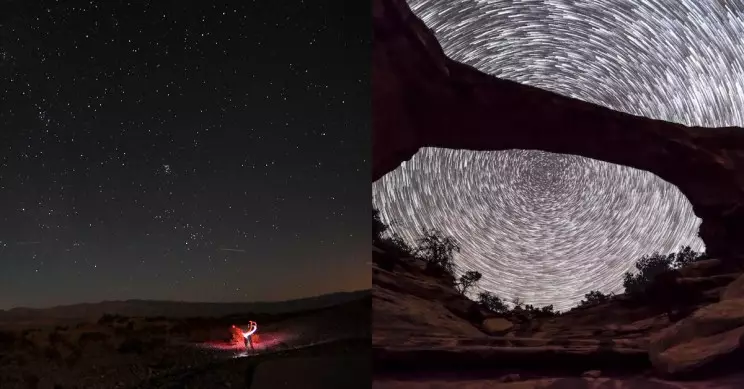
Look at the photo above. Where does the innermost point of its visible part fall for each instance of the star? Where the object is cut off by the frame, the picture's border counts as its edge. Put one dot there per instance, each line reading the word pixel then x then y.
pixel 548 228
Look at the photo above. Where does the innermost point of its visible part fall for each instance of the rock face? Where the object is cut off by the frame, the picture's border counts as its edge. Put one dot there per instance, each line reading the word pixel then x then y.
pixel 497 326
pixel 421 323
pixel 421 98
pixel 734 290
pixel 711 339
pixel 408 302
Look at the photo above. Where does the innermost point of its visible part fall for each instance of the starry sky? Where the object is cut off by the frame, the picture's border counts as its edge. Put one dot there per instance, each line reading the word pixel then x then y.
pixel 183 150
pixel 548 228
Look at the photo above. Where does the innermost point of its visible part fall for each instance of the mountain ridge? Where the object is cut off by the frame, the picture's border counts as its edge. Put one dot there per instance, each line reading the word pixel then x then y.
pixel 170 308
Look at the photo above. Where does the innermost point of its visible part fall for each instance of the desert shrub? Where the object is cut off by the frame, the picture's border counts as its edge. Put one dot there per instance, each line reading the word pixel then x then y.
pixel 391 243
pixel 595 297
pixel 496 304
pixel 686 256
pixel 650 266
pixel 106 319
pixel 529 311
pixel 433 246
pixel 469 279
pixel 438 250
pixel 492 302
pixel 379 227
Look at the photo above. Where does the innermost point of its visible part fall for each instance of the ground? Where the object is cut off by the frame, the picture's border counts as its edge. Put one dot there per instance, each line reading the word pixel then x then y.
pixel 127 352
pixel 428 335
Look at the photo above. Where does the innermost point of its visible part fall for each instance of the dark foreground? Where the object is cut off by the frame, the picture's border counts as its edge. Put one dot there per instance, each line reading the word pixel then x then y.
pixel 328 348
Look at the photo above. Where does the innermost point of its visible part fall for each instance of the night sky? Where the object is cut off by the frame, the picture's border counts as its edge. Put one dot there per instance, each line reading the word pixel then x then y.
pixel 549 228
pixel 181 150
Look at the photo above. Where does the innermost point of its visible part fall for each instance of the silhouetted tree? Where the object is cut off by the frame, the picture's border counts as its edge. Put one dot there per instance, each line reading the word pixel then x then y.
pixel 492 302
pixel 529 311
pixel 438 250
pixel 650 266
pixel 548 310
pixel 595 297
pixel 391 243
pixel 378 227
pixel 686 256
pixel 468 280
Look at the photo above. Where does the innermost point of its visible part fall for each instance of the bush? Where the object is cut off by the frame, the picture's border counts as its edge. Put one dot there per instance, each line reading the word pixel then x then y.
pixel 492 302
pixel 378 226
pixel 468 280
pixel 650 266
pixel 532 312
pixel 595 297
pixel 438 250
pixel 108 318
pixel 496 304
pixel 383 239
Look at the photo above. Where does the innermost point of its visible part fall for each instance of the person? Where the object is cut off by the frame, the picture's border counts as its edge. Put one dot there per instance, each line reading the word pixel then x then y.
pixel 252 328
pixel 249 340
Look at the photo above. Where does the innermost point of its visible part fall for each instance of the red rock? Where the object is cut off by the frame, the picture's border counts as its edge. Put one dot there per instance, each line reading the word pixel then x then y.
pixel 711 338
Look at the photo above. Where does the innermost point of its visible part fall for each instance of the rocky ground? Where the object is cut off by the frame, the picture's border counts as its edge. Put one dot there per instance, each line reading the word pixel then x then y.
pixel 123 352
pixel 425 334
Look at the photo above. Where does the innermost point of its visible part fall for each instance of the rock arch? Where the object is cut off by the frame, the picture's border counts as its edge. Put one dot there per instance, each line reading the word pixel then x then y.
pixel 422 98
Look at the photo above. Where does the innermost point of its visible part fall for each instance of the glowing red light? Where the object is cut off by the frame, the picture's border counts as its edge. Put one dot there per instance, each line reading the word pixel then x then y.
pixel 252 328
pixel 239 336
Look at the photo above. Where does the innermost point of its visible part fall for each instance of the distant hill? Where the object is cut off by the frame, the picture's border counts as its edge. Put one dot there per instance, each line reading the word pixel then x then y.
pixel 175 309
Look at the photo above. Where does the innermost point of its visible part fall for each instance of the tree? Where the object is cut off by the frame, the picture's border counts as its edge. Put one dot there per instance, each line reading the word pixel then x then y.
pixel 686 256
pixel 492 302
pixel 548 310
pixel 392 243
pixel 468 280
pixel 594 297
pixel 517 304
pixel 378 226
pixel 438 250
pixel 650 266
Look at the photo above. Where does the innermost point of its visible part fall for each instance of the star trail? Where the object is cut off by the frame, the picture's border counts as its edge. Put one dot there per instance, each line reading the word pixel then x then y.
pixel 680 61
pixel 548 228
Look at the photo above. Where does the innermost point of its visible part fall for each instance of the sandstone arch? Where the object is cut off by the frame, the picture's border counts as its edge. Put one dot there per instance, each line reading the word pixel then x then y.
pixel 422 98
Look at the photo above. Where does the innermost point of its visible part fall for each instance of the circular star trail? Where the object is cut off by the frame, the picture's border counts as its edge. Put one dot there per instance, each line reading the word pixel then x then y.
pixel 548 228
pixel 545 228
pixel 675 60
